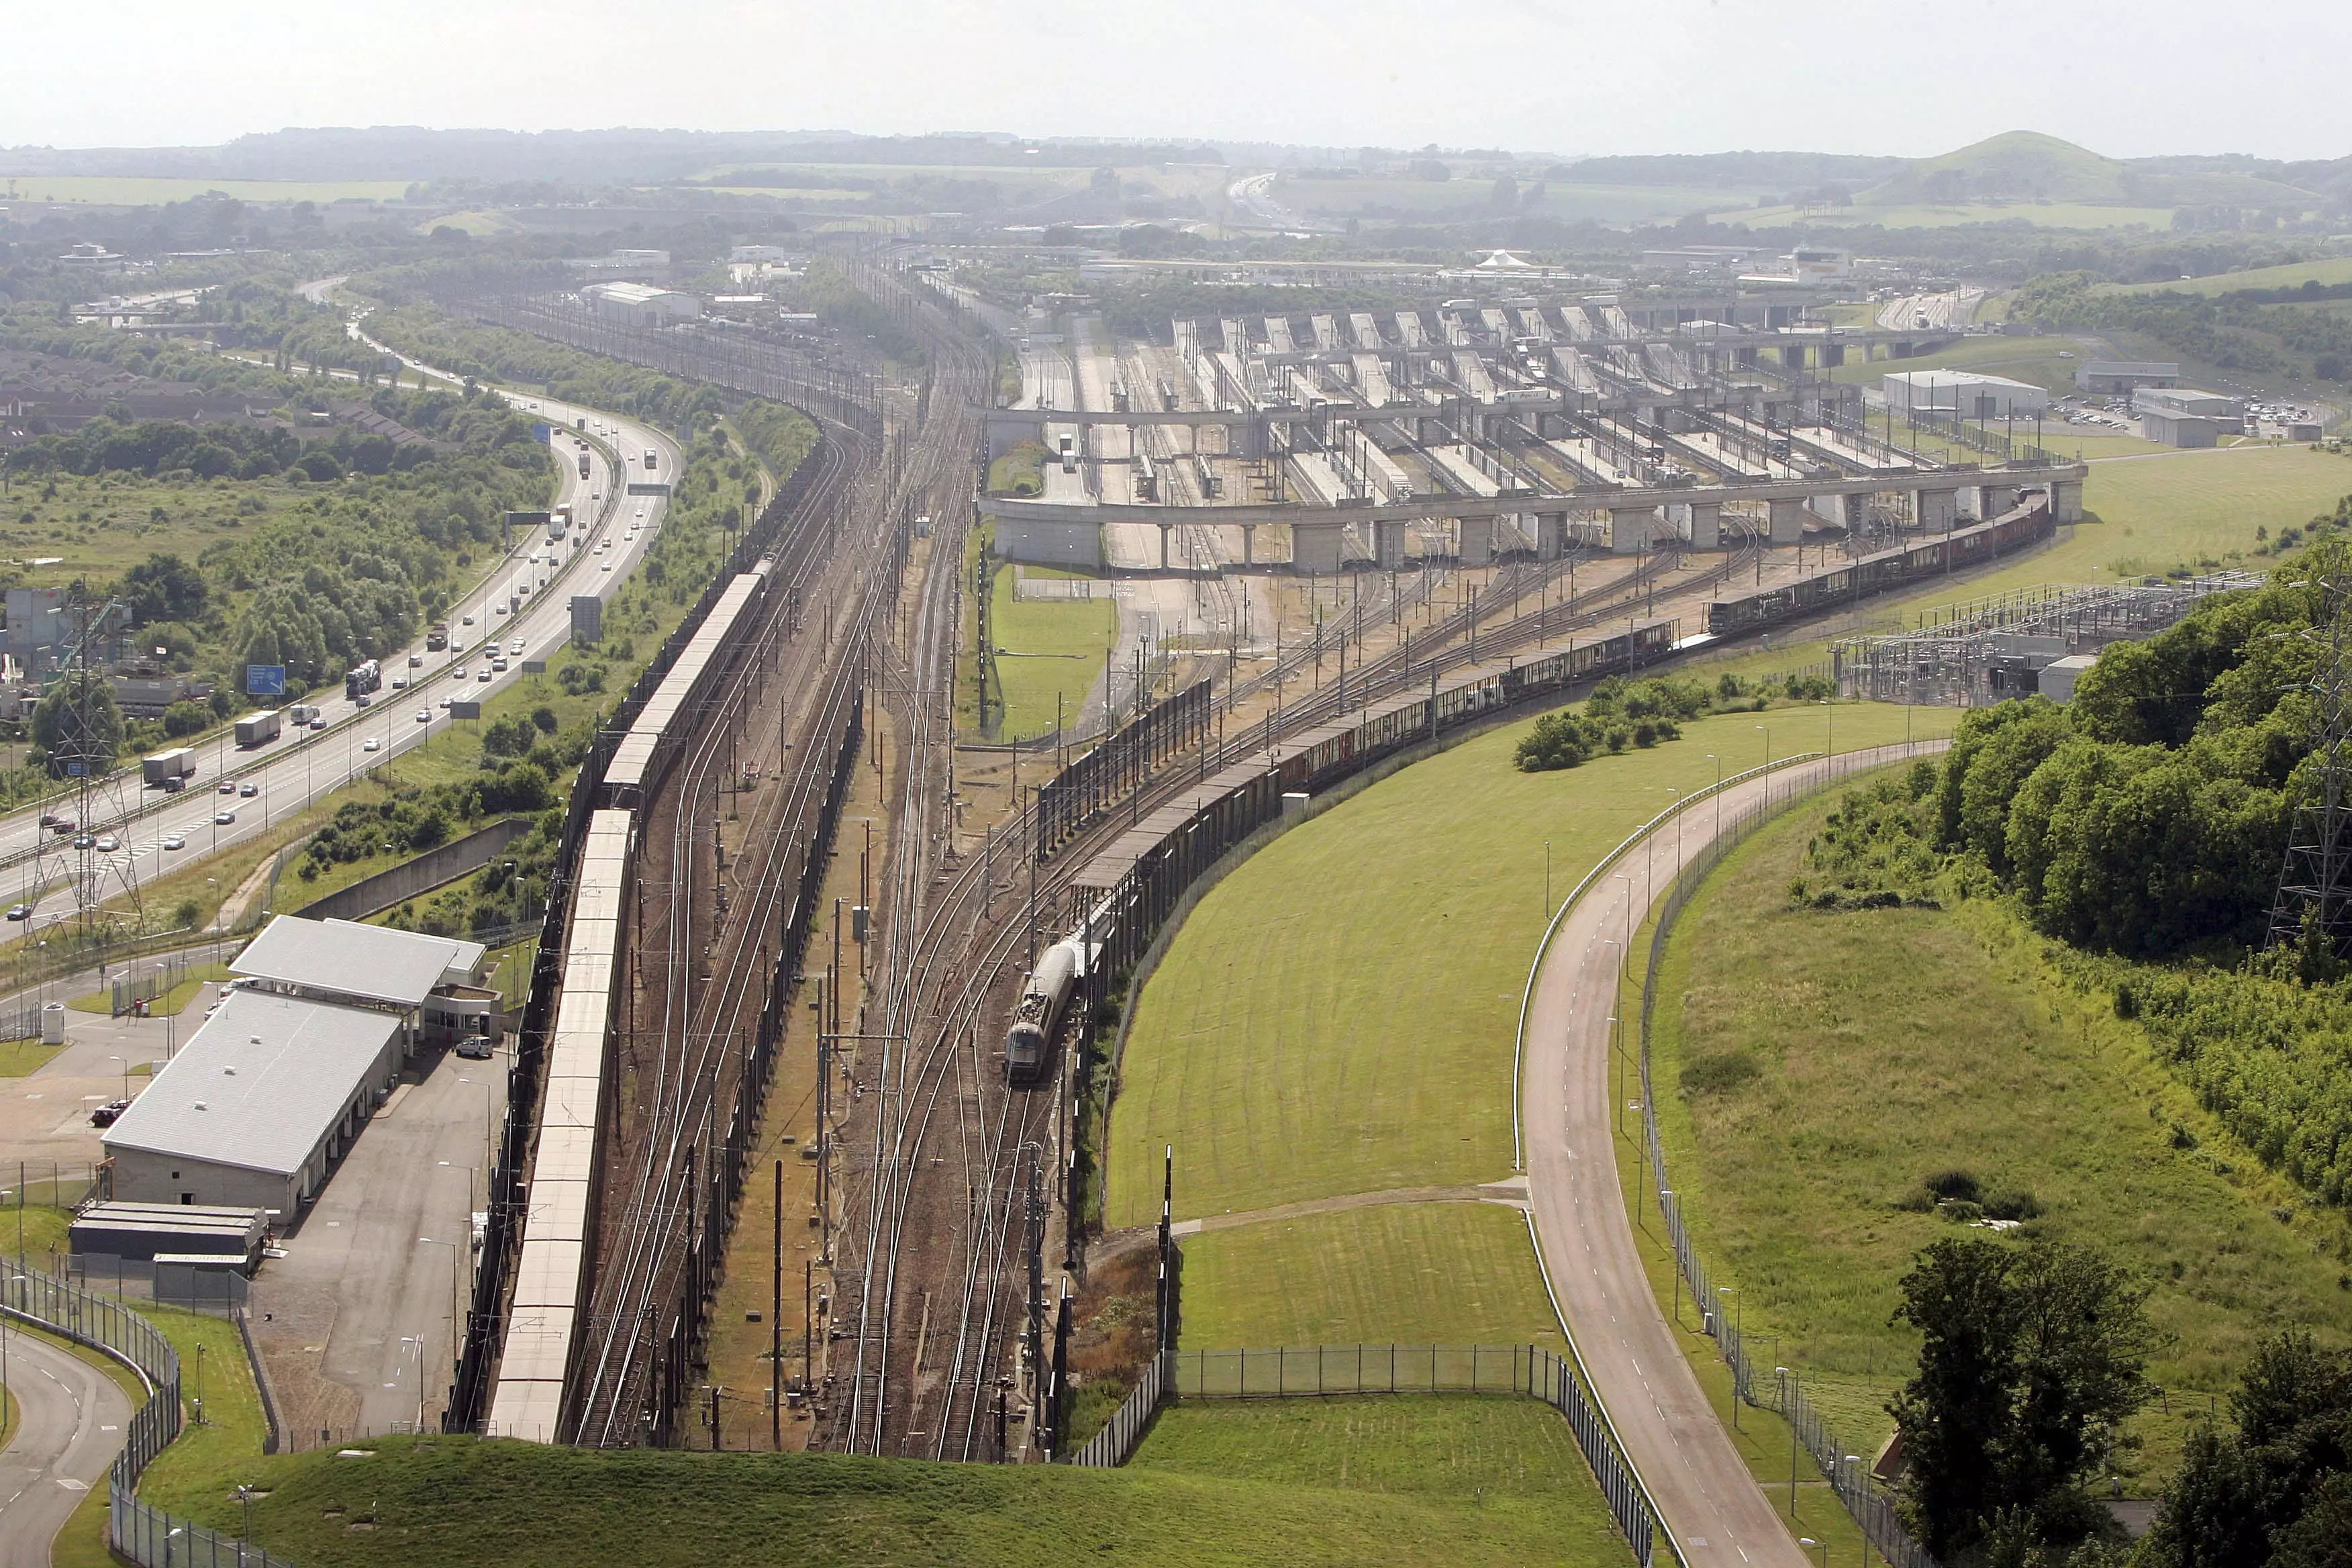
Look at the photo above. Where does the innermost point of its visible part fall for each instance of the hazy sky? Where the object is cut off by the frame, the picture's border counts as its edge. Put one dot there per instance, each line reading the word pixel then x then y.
pixel 2125 77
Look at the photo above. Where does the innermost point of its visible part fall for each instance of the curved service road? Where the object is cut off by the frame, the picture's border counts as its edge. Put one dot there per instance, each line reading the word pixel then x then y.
pixel 1710 1506
pixel 73 1419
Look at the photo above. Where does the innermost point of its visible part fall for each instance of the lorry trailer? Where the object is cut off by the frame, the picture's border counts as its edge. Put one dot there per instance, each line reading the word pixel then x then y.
pixel 260 729
pixel 180 762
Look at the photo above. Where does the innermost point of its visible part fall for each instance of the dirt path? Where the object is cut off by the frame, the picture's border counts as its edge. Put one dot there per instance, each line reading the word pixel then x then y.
pixel 1511 1191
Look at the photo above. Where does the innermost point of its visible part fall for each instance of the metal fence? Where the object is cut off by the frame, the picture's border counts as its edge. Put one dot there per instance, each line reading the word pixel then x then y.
pixel 1524 1371
pixel 138 1531
pixel 1116 1443
pixel 1848 1475
pixel 1090 785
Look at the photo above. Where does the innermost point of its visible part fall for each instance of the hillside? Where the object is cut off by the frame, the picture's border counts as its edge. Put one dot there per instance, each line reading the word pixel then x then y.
pixel 2028 166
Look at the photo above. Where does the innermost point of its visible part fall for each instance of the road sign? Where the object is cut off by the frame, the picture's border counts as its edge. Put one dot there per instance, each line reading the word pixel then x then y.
pixel 464 709
pixel 265 680
pixel 534 667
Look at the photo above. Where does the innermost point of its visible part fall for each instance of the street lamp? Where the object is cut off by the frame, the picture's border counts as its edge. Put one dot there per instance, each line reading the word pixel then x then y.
pixel 126 1074
pixel 1720 1292
pixel 471 1173
pixel 428 1241
pixel 1766 732
pixel 1789 1410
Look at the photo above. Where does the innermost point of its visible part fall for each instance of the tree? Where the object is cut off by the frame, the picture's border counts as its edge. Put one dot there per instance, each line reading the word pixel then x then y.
pixel 2278 1489
pixel 78 721
pixel 165 588
pixel 2030 1356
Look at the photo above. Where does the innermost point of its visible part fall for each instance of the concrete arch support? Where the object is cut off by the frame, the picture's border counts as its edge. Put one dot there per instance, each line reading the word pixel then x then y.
pixel 1787 520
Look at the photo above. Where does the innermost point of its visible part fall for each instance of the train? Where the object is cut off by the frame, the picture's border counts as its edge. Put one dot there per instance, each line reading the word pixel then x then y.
pixel 1132 885
pixel 547 1321
pixel 1029 1044
pixel 2027 523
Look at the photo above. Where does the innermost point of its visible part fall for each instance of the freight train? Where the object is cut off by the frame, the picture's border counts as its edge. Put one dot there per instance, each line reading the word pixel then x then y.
pixel 2026 524
pixel 1131 885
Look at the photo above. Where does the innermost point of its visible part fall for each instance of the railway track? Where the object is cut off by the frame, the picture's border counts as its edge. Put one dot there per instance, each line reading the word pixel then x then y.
pixel 699 944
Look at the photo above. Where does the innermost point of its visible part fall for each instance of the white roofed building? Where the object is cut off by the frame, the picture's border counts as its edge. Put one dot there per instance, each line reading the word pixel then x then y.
pixel 256 1107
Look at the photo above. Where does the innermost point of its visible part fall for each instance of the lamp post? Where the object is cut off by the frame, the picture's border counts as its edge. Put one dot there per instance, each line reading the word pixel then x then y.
pixel 1766 732
pixel 1829 703
pixel 428 1241
pixel 1785 1376
pixel 1719 792
pixel 1720 1292
pixel 472 1172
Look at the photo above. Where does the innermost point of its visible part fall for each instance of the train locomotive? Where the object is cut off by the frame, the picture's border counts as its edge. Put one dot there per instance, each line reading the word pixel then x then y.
pixel 1029 1043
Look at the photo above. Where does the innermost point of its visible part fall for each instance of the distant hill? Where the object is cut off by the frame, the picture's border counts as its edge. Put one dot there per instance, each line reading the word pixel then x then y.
pixel 2027 166
pixel 1735 169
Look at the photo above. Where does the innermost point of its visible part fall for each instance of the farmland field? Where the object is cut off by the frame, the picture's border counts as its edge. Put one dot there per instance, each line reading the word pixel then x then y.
pixel 122 191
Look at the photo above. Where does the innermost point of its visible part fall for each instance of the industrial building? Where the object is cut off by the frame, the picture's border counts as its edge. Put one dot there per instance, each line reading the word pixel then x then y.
pixel 256 1107
pixel 641 304
pixel 2183 416
pixel 433 982
pixel 2120 378
pixel 1963 394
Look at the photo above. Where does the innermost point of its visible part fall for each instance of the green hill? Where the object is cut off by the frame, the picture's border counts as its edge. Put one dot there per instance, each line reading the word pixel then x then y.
pixel 2028 166
pixel 2015 166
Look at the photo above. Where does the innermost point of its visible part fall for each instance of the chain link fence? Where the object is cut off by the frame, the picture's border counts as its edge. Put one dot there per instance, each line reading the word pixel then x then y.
pixel 1848 1474
pixel 138 1531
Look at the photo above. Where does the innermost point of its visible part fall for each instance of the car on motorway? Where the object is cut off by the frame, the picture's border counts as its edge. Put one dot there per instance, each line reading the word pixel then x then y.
pixel 223 818
pixel 248 789
pixel 108 843
pixel 84 841
pixel 319 724
pixel 515 647
pixel 447 701
pixel 400 683
pixel 459 674
pixel 228 786
pixel 175 841
pixel 467 621
pixel 424 715
pixel 486 673
pixel 372 744
pixel 608 566
pixel 20 912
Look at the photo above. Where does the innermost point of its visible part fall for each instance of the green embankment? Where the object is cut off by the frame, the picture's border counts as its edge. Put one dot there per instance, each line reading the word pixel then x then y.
pixel 1812 1069
pixel 422 1503
pixel 1338 1017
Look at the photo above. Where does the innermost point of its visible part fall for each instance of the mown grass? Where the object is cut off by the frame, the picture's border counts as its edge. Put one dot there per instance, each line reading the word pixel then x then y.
pixel 18 1058
pixel 427 1502
pixel 1048 653
pixel 1513 1458
pixel 1337 1016
pixel 167 1004
pixel 1890 1044
pixel 1399 1274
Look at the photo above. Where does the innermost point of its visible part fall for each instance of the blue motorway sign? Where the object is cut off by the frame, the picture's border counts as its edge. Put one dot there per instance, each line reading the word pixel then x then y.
pixel 265 680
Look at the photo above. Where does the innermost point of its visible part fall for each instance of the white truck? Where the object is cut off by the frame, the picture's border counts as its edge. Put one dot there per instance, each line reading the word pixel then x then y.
pixel 169 769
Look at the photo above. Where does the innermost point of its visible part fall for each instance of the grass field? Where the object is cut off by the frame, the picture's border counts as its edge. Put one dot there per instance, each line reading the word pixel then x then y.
pixel 1462 1273
pixel 2196 509
pixel 1508 1459
pixel 78 525
pixel 2326 269
pixel 1047 651
pixel 1881 1047
pixel 1338 1017
pixel 431 1502
pixel 129 191
pixel 18 1058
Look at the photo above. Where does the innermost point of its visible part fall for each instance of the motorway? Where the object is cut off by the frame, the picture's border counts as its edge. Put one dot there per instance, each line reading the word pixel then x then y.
pixel 287 774
pixel 72 1419
pixel 1707 1499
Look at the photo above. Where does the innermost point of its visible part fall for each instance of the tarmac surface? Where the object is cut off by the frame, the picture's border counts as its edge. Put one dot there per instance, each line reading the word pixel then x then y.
pixel 73 1419
pixel 1709 1503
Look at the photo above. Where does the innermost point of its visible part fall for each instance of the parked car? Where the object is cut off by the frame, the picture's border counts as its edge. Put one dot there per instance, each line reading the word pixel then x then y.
pixel 108 1114
pixel 475 1047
